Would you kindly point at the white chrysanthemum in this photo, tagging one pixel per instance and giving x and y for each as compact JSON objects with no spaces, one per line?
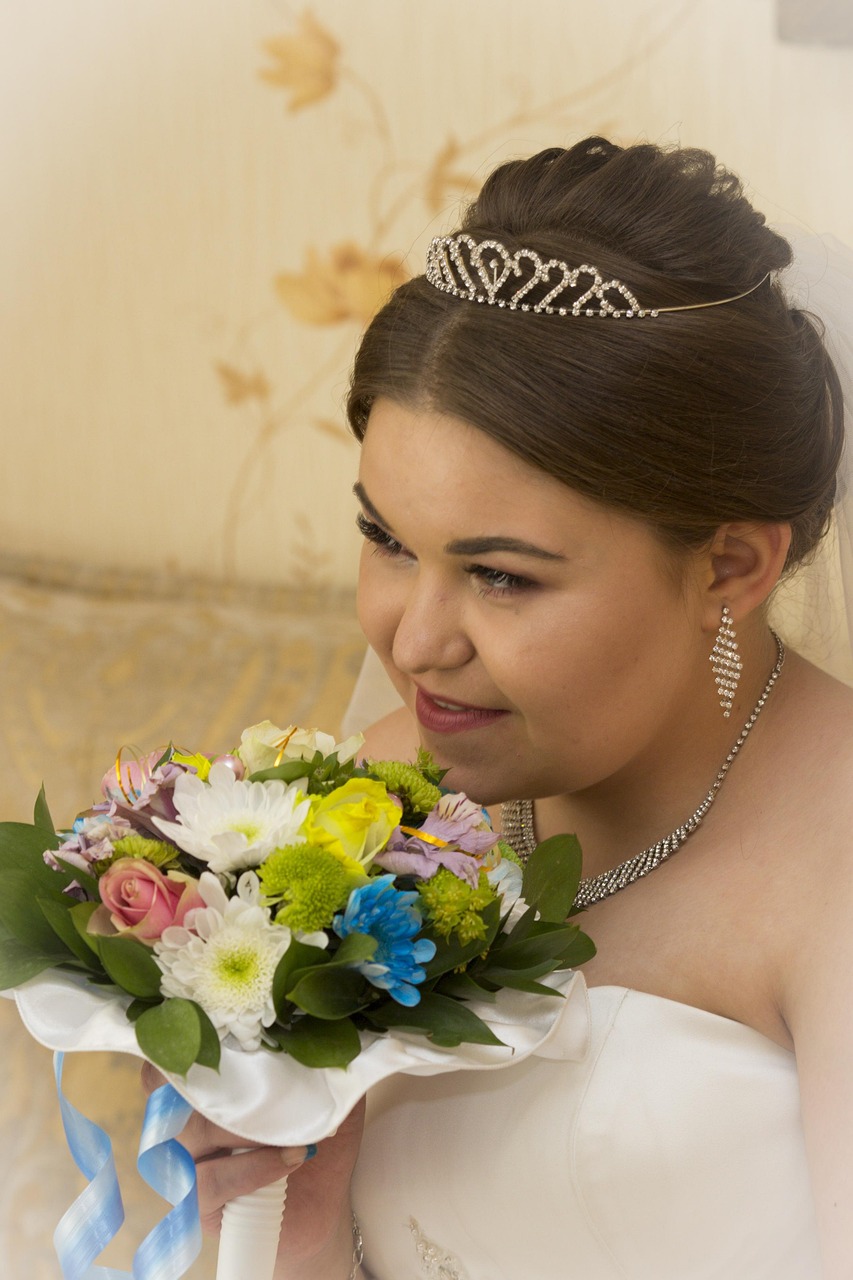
{"x":224,"y":958}
{"x":231,"y":824}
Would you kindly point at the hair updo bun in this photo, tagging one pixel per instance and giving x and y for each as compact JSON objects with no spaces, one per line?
{"x":686,"y":420}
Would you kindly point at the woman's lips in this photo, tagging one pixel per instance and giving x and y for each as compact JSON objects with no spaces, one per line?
{"x":454,"y":718}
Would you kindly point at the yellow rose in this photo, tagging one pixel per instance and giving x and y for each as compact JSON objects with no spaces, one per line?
{"x":356,"y":819}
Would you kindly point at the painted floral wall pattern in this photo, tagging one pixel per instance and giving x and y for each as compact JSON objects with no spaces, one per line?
{"x":346,"y":282}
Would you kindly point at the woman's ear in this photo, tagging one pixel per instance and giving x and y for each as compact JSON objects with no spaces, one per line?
{"x":745,"y":561}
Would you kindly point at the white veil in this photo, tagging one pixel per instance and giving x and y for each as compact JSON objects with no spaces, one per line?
{"x":813,"y":609}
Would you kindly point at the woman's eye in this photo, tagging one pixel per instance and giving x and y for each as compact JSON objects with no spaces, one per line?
{"x":495,"y":582}
{"x":376,"y":534}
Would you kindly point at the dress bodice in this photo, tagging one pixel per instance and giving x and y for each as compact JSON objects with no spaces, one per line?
{"x":672,"y":1149}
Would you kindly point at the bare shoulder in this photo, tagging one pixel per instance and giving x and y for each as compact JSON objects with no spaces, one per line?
{"x":394,"y":737}
{"x":817,"y":972}
{"x":817,"y":755}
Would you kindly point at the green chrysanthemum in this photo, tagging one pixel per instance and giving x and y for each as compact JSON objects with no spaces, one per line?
{"x":157,"y":852}
{"x":311,"y":882}
{"x":418,"y":795}
{"x":450,"y":905}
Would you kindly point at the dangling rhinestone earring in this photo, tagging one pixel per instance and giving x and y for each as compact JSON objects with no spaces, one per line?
{"x":726,"y":663}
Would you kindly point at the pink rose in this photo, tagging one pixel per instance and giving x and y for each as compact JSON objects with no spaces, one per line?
{"x":139,"y":899}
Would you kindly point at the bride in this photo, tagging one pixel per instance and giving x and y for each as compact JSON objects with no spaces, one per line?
{"x":580,"y":485}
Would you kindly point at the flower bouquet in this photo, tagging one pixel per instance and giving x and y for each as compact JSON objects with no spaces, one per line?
{"x":279,"y":928}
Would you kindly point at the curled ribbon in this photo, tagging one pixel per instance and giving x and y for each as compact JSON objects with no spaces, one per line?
{"x":95,"y":1217}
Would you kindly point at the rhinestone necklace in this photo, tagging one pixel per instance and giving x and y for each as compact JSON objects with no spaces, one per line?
{"x":517,"y":820}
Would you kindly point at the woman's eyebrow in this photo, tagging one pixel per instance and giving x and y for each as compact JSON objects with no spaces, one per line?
{"x":360,"y":492}
{"x":482,"y":546}
{"x":466,"y":546}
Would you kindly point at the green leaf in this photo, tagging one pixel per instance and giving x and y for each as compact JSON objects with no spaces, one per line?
{"x":552,"y":876}
{"x":447,"y":1022}
{"x":131,"y":965}
{"x":210,"y":1052}
{"x":136,"y":1008}
{"x":355,"y":948}
{"x":331,"y":991}
{"x":22,"y":848}
{"x":546,"y":943}
{"x":297,"y":956}
{"x":578,"y":952}
{"x":61,"y":921}
{"x":520,"y":929}
{"x":170,"y":1035}
{"x":41,"y":813}
{"x":512,"y":977}
{"x":21,"y":915}
{"x":81,"y":913}
{"x":287,"y":771}
{"x":19,"y":963}
{"x":317,"y":1042}
{"x":461,"y":986}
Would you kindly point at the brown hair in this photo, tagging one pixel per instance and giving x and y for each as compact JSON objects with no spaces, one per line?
{"x":687,"y":420}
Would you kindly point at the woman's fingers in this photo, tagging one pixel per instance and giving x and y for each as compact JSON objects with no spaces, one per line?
{"x":225,"y":1177}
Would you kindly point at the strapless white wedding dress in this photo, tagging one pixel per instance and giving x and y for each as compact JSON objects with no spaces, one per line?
{"x":670,"y":1148}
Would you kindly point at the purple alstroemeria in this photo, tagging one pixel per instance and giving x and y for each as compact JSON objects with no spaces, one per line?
{"x":464,"y":835}
{"x":91,"y":840}
{"x":142,"y":792}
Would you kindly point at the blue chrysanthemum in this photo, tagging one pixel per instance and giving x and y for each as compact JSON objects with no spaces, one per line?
{"x":388,"y":915}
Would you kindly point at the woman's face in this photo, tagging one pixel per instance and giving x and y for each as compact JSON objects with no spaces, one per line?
{"x":543,"y":643}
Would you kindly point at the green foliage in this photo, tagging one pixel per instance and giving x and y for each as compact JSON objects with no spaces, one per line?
{"x":427,"y":766}
{"x":355,"y":948}
{"x":175,"y":1034}
{"x":446,"y":1021}
{"x":298,"y":956}
{"x":461,"y":986}
{"x":62,"y":923}
{"x":131,"y":965}
{"x":41,"y":813}
{"x":552,"y":876}
{"x":330,"y":991}
{"x":81,"y":913}
{"x":321,"y":774}
{"x":22,"y":917}
{"x":19,"y":963}
{"x":319,"y":1042}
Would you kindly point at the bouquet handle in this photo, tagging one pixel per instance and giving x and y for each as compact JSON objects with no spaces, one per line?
{"x":251,"y":1226}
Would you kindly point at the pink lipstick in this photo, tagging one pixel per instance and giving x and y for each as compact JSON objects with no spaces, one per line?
{"x":445,"y":716}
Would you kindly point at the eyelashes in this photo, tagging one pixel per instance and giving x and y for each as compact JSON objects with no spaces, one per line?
{"x":377,"y":535}
{"x":488,"y":582}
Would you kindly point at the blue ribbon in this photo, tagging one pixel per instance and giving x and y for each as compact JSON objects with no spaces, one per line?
{"x":91,"y":1222}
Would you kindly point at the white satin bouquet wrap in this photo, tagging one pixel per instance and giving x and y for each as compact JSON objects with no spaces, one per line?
{"x":271,"y":1098}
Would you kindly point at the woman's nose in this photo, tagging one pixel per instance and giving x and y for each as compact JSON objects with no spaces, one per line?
{"x":430,"y":635}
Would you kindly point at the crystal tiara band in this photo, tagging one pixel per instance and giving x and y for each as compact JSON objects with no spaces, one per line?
{"x":488,"y":273}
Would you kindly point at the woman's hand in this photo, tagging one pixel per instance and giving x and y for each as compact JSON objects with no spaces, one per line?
{"x":316,"y":1238}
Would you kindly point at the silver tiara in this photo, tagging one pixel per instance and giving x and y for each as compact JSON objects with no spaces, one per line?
{"x":486,"y":271}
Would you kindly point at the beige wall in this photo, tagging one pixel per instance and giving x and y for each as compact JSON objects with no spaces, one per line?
{"x":168,"y":399}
